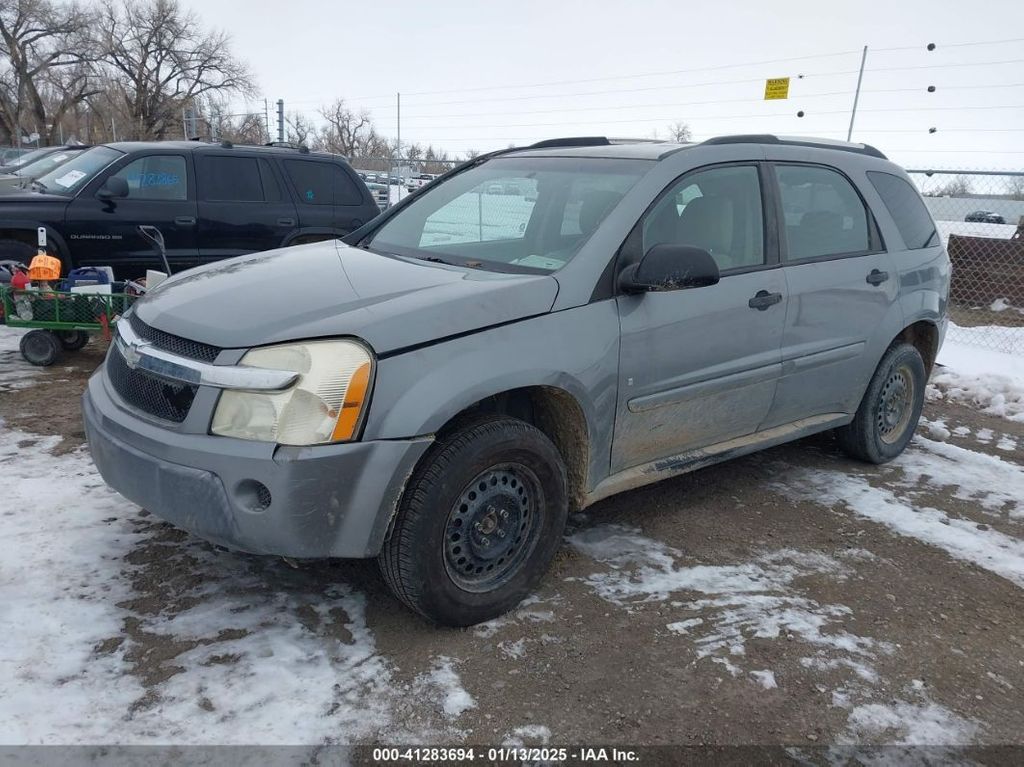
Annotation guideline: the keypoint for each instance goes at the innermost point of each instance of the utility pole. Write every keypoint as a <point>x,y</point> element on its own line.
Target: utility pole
<point>280,120</point>
<point>398,142</point>
<point>266,116</point>
<point>856,94</point>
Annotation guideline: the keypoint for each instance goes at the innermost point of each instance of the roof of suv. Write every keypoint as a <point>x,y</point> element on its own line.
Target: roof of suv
<point>207,146</point>
<point>659,150</point>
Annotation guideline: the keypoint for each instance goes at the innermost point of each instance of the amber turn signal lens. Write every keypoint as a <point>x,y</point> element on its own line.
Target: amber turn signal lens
<point>345,428</point>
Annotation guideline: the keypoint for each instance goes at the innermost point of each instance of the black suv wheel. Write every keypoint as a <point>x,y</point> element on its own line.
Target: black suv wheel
<point>888,415</point>
<point>479,523</point>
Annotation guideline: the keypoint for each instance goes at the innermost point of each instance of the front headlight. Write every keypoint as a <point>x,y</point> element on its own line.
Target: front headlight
<point>324,405</point>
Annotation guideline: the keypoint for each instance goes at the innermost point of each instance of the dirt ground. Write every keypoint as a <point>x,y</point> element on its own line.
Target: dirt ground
<point>761,601</point>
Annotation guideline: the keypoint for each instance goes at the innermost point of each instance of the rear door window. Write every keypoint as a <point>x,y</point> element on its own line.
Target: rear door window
<point>907,209</point>
<point>322,183</point>
<point>156,177</point>
<point>229,179</point>
<point>824,215</point>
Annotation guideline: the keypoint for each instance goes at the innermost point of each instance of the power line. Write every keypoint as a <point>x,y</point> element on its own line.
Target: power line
<point>719,117</point>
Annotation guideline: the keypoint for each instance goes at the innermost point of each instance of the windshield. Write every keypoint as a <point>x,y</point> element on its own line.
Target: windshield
<point>68,178</point>
<point>20,161</point>
<point>511,214</point>
<point>48,163</point>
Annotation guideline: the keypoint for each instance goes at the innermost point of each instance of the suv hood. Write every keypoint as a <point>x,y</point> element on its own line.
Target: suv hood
<point>330,289</point>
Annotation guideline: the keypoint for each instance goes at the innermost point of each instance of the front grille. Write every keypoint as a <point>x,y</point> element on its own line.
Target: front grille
<point>169,401</point>
<point>173,344</point>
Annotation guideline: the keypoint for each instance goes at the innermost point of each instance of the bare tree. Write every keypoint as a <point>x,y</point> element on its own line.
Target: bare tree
<point>243,128</point>
<point>679,132</point>
<point>299,130</point>
<point>472,154</point>
<point>46,58</point>
<point>1015,187</point>
<point>163,60</point>
<point>346,132</point>
<point>957,187</point>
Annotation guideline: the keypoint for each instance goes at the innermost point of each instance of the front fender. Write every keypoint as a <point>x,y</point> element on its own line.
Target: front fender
<point>576,350</point>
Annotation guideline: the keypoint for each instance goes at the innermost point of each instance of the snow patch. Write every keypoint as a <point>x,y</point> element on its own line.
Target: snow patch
<point>988,480</point>
<point>765,678</point>
<point>455,701</point>
<point>737,603</point>
<point>908,724</point>
<point>960,538</point>
<point>533,734</point>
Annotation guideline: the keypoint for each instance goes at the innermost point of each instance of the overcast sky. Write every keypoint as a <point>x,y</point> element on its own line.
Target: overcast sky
<point>481,75</point>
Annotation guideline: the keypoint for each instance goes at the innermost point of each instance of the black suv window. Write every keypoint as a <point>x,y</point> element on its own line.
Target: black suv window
<point>228,179</point>
<point>824,215</point>
<point>322,183</point>
<point>156,177</point>
<point>719,210</point>
<point>906,208</point>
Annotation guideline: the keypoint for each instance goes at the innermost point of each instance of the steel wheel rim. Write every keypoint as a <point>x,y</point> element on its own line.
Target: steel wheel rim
<point>896,404</point>
<point>493,527</point>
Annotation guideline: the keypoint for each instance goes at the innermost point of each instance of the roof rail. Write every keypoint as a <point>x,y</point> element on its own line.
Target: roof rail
<point>768,138</point>
<point>302,148</point>
<point>574,141</point>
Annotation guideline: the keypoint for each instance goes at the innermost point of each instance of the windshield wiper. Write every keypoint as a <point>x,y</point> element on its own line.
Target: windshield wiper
<point>39,186</point>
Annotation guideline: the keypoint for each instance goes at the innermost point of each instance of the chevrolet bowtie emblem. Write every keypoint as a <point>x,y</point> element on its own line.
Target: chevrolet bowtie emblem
<point>132,353</point>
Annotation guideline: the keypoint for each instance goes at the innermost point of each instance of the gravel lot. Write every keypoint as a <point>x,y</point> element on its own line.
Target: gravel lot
<point>792,597</point>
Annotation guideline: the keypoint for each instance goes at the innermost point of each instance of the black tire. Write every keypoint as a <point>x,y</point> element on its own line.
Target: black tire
<point>887,417</point>
<point>16,250</point>
<point>40,347</point>
<point>72,340</point>
<point>478,487</point>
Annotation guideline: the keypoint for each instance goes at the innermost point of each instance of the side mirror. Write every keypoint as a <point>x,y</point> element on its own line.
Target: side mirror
<point>670,267</point>
<point>113,187</point>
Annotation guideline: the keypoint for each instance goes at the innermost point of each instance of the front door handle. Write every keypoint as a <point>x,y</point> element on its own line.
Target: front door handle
<point>185,221</point>
<point>877,277</point>
<point>286,222</point>
<point>763,299</point>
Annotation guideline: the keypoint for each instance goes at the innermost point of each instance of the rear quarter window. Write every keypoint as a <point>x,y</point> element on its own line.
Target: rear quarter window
<point>322,183</point>
<point>907,209</point>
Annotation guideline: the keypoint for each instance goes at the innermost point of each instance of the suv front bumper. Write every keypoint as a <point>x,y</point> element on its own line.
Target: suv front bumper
<point>324,500</point>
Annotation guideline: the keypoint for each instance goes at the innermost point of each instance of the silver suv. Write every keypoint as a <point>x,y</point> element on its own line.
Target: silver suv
<point>442,388</point>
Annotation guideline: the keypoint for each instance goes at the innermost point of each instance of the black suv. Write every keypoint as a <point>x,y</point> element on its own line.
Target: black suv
<point>211,201</point>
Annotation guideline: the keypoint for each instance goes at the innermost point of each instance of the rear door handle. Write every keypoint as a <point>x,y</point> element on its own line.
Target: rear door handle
<point>763,299</point>
<point>286,222</point>
<point>185,221</point>
<point>877,277</point>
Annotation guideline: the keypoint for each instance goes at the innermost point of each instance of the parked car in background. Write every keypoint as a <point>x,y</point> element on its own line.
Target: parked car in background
<point>381,193</point>
<point>419,181</point>
<point>984,217</point>
<point>10,155</point>
<point>23,178</point>
<point>445,386</point>
<point>210,201</point>
<point>25,158</point>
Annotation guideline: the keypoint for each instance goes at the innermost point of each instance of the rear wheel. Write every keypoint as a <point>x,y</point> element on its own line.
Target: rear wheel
<point>72,340</point>
<point>40,347</point>
<point>15,250</point>
<point>479,523</point>
<point>887,417</point>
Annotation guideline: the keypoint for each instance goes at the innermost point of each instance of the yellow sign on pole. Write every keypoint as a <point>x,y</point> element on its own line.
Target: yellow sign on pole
<point>776,88</point>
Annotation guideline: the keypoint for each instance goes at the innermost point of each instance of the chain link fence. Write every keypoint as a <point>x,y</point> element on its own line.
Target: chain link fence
<point>980,217</point>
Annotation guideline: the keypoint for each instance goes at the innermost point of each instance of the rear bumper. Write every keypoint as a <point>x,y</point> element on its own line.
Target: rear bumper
<point>324,501</point>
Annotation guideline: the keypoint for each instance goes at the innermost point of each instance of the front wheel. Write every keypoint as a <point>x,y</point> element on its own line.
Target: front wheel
<point>40,347</point>
<point>478,524</point>
<point>888,414</point>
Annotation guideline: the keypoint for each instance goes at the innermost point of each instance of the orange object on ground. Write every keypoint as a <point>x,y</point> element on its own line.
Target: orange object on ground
<point>44,269</point>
